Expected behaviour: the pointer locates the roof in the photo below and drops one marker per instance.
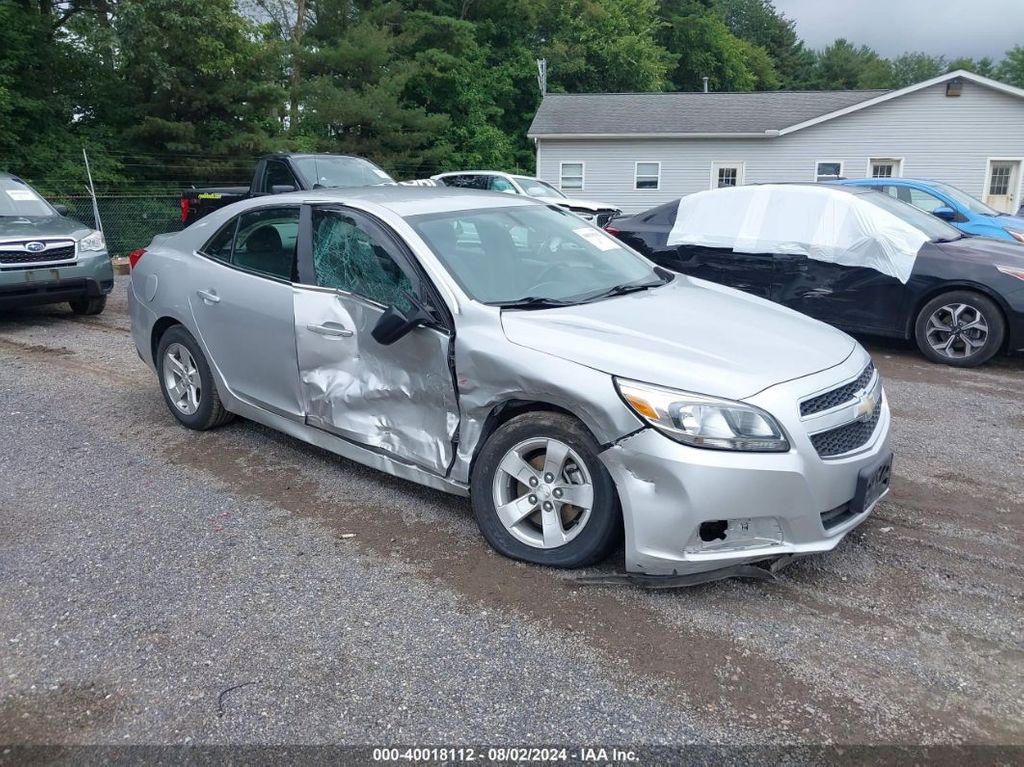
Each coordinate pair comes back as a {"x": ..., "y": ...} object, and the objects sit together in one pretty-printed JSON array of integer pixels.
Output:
[
  {"x": 695, "y": 115},
  {"x": 408, "y": 200},
  {"x": 685, "y": 113}
]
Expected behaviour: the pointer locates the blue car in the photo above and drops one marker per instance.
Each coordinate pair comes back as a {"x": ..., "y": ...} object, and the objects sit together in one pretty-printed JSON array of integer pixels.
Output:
[{"x": 969, "y": 215}]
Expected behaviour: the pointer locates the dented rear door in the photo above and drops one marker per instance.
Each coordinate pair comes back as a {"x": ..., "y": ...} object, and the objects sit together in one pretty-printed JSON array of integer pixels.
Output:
[{"x": 398, "y": 399}]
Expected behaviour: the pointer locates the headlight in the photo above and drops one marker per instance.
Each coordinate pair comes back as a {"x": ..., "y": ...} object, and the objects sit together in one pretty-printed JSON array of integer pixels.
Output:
[
  {"x": 1018, "y": 236},
  {"x": 93, "y": 241},
  {"x": 702, "y": 421},
  {"x": 1013, "y": 271}
]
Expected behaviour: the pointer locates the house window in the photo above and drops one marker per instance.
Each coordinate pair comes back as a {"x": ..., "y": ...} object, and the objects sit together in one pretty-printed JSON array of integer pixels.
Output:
[
  {"x": 725, "y": 174},
  {"x": 828, "y": 170},
  {"x": 571, "y": 175},
  {"x": 885, "y": 167},
  {"x": 647, "y": 175}
]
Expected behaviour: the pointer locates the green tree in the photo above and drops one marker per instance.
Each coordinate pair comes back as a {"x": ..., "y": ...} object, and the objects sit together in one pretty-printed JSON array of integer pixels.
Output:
[
  {"x": 1011, "y": 68},
  {"x": 204, "y": 82},
  {"x": 602, "y": 45},
  {"x": 842, "y": 66},
  {"x": 915, "y": 67},
  {"x": 705, "y": 47},
  {"x": 983, "y": 66},
  {"x": 758, "y": 22},
  {"x": 353, "y": 95}
]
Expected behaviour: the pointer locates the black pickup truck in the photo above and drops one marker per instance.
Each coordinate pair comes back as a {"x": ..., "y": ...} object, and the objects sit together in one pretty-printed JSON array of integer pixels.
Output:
[{"x": 279, "y": 173}]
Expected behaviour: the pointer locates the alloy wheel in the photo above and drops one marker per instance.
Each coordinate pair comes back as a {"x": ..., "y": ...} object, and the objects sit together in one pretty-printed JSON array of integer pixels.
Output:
[
  {"x": 543, "y": 493},
  {"x": 957, "y": 331},
  {"x": 181, "y": 379}
]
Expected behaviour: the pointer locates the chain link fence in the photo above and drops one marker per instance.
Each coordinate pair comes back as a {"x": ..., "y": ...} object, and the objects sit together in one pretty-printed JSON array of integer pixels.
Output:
[{"x": 129, "y": 221}]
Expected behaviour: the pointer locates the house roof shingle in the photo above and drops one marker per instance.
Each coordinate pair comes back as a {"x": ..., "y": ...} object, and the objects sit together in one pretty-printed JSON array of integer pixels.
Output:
[{"x": 686, "y": 113}]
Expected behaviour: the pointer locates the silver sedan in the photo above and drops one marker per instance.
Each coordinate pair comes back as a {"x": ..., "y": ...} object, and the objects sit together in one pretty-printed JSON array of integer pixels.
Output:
[{"x": 496, "y": 347}]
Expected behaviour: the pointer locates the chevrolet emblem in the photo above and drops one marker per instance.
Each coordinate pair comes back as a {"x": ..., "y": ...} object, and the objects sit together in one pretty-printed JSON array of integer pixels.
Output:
[{"x": 866, "y": 407}]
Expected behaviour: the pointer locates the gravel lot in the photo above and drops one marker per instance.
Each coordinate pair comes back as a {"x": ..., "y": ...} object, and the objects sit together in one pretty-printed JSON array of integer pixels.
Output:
[{"x": 163, "y": 586}]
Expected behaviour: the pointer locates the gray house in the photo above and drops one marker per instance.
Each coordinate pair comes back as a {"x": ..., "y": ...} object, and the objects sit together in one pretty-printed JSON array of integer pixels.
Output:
[{"x": 637, "y": 150}]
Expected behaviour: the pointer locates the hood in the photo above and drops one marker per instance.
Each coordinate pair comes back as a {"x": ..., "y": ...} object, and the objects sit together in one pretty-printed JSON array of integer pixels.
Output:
[
  {"x": 690, "y": 335},
  {"x": 590, "y": 205},
  {"x": 1010, "y": 222},
  {"x": 985, "y": 250},
  {"x": 27, "y": 227}
]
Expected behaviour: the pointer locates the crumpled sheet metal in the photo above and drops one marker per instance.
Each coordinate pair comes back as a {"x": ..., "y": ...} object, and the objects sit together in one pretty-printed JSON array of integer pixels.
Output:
[
  {"x": 746, "y": 571},
  {"x": 408, "y": 410},
  {"x": 492, "y": 372},
  {"x": 821, "y": 223}
]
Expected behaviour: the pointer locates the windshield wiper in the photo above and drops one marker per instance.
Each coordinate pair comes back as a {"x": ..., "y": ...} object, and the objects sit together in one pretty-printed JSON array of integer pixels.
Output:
[
  {"x": 534, "y": 302},
  {"x": 621, "y": 290}
]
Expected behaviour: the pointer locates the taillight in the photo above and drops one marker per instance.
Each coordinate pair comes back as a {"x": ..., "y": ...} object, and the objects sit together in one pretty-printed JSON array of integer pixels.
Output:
[
  {"x": 612, "y": 230},
  {"x": 134, "y": 256},
  {"x": 185, "y": 202}
]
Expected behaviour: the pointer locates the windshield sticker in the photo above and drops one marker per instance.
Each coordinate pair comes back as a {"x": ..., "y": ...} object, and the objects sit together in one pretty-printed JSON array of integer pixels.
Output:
[
  {"x": 23, "y": 195},
  {"x": 599, "y": 240}
]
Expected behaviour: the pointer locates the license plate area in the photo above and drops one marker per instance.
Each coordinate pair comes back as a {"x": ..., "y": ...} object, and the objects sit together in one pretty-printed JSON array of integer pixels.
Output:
[
  {"x": 42, "y": 275},
  {"x": 872, "y": 482}
]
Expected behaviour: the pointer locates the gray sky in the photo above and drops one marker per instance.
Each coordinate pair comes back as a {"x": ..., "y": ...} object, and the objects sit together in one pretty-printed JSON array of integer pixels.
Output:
[{"x": 939, "y": 27}]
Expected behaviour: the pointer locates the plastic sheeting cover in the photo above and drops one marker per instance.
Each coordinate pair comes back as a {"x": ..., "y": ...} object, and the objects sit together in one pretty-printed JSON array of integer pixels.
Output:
[{"x": 820, "y": 223}]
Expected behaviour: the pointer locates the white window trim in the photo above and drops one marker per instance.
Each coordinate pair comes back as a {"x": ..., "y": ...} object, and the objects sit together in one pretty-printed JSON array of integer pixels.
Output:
[
  {"x": 583, "y": 174},
  {"x": 636, "y": 175},
  {"x": 741, "y": 172},
  {"x": 881, "y": 158},
  {"x": 842, "y": 168}
]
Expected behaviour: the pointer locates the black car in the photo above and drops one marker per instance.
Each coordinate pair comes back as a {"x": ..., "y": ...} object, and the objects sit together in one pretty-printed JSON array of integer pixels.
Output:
[{"x": 963, "y": 302}]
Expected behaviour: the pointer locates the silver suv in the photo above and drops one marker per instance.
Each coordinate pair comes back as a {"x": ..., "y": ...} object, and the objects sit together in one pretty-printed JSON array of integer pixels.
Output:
[
  {"x": 47, "y": 258},
  {"x": 496, "y": 347}
]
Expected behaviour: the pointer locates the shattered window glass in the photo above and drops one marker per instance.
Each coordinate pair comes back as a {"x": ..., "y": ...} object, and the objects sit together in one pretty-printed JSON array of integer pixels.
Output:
[{"x": 346, "y": 257}]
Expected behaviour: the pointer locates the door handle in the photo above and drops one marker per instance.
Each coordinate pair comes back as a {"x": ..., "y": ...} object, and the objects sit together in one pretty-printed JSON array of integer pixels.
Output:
[
  {"x": 330, "y": 330},
  {"x": 209, "y": 296}
]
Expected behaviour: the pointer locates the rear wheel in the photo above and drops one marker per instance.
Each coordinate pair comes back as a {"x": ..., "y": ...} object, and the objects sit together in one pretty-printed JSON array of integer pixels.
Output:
[
  {"x": 187, "y": 383},
  {"x": 87, "y": 305},
  {"x": 541, "y": 494},
  {"x": 960, "y": 328}
]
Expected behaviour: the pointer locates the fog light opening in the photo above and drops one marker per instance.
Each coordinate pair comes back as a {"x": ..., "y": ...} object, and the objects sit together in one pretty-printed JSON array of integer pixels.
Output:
[{"x": 713, "y": 531}]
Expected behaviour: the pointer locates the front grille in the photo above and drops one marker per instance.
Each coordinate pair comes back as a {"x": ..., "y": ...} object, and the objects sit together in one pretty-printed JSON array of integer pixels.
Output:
[
  {"x": 838, "y": 515},
  {"x": 837, "y": 397},
  {"x": 17, "y": 258},
  {"x": 847, "y": 437}
]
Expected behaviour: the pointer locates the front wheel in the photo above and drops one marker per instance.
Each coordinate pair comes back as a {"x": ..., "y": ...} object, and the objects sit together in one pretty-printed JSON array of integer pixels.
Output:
[
  {"x": 960, "y": 328},
  {"x": 88, "y": 306},
  {"x": 541, "y": 494}
]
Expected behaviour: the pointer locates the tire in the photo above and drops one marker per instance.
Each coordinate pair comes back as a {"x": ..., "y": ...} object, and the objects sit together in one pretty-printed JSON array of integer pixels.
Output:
[
  {"x": 578, "y": 536},
  {"x": 974, "y": 341},
  {"x": 88, "y": 306},
  {"x": 197, "y": 406}
]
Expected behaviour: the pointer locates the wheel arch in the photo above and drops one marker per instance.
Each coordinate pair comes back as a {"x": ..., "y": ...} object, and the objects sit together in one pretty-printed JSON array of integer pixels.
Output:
[
  {"x": 160, "y": 327},
  {"x": 504, "y": 411}
]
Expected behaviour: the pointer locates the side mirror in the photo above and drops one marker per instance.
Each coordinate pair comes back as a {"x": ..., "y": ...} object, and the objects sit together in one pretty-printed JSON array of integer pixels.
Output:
[
  {"x": 281, "y": 188},
  {"x": 396, "y": 323},
  {"x": 62, "y": 210},
  {"x": 946, "y": 214}
]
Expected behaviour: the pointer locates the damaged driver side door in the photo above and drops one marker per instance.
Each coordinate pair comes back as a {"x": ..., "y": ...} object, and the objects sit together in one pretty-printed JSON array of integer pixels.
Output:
[{"x": 396, "y": 398}]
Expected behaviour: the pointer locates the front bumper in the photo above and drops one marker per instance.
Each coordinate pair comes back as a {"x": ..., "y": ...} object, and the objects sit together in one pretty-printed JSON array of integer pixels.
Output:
[
  {"x": 775, "y": 503},
  {"x": 90, "y": 276},
  {"x": 1015, "y": 321}
]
